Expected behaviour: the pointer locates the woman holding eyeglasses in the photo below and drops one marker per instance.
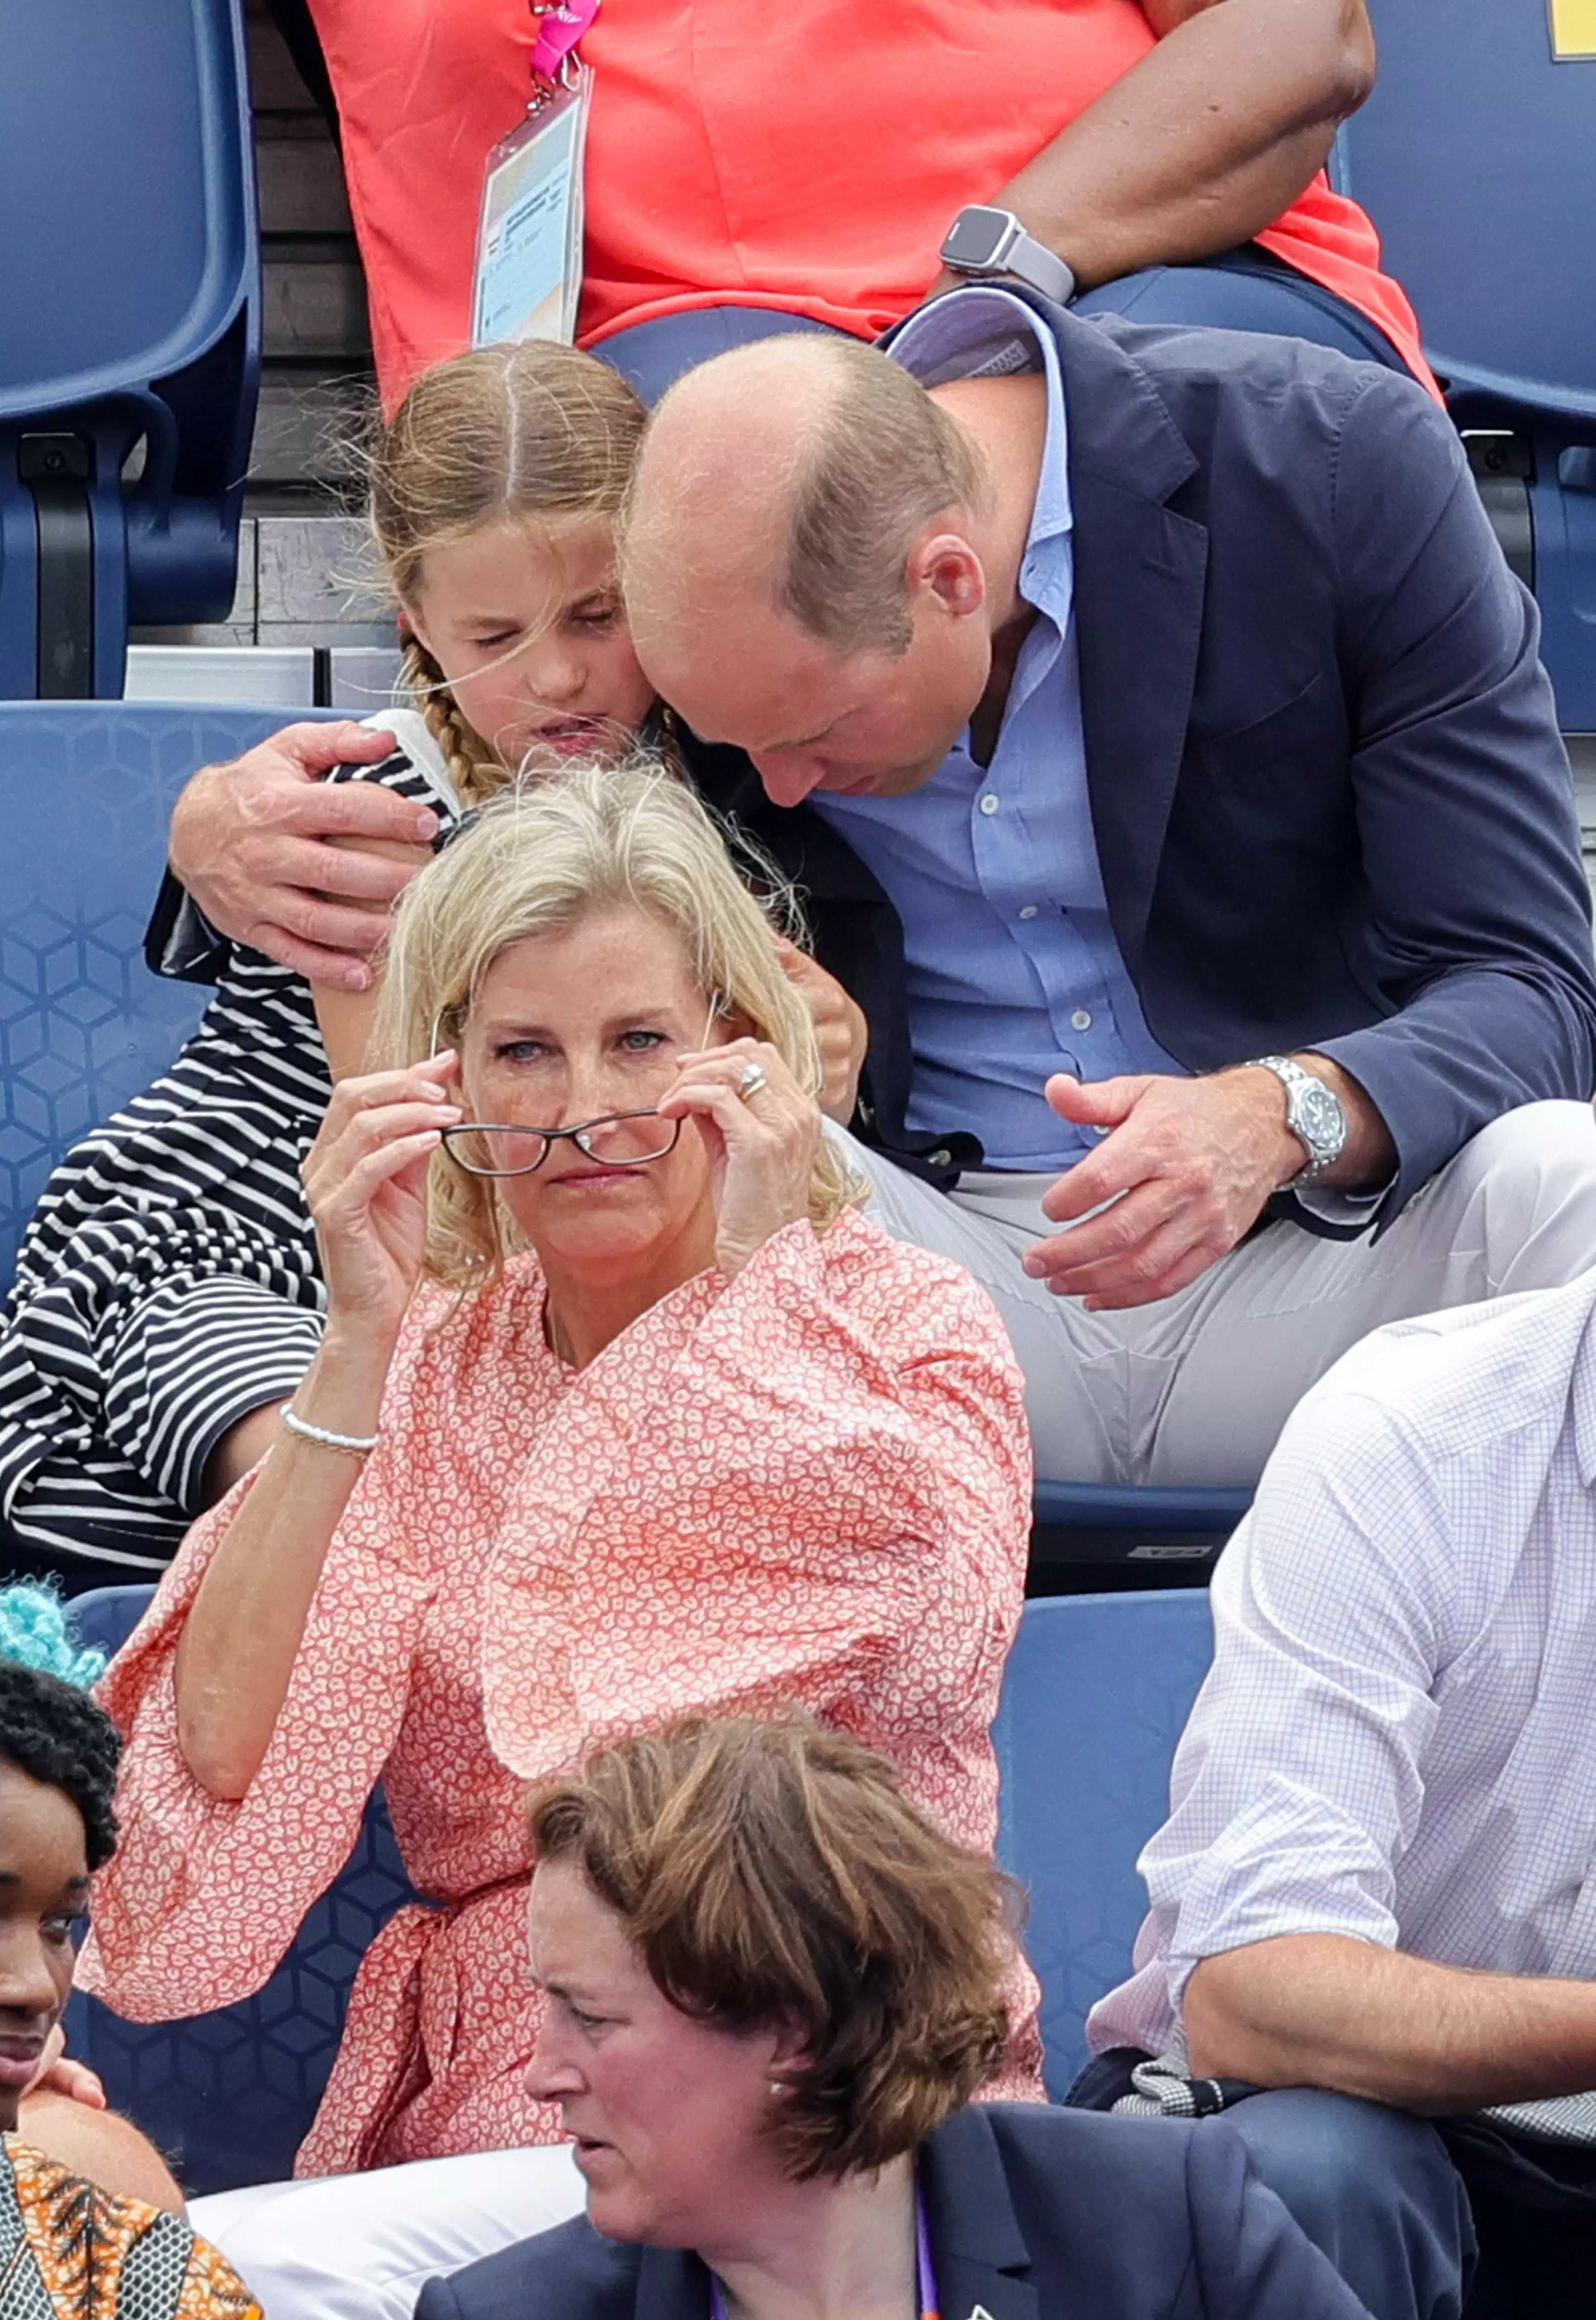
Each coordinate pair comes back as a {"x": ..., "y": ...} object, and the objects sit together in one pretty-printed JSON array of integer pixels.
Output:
[{"x": 623, "y": 1411}]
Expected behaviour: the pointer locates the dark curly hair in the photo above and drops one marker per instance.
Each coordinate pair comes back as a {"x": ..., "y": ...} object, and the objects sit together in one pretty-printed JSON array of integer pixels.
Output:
[{"x": 56, "y": 1734}]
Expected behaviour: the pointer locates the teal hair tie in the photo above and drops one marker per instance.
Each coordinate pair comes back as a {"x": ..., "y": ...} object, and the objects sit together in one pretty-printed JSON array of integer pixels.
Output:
[{"x": 36, "y": 1632}]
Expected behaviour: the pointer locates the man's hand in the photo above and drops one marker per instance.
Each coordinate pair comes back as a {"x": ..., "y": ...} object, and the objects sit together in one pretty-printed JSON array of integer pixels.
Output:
[
  {"x": 1187, "y": 1165},
  {"x": 839, "y": 1029},
  {"x": 246, "y": 841}
]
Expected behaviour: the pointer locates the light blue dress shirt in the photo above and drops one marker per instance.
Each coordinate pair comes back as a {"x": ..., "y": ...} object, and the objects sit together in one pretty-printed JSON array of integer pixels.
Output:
[{"x": 1014, "y": 971}]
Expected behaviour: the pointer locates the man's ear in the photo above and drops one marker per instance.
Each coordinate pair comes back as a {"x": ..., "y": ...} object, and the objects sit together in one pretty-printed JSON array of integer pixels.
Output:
[{"x": 943, "y": 564}]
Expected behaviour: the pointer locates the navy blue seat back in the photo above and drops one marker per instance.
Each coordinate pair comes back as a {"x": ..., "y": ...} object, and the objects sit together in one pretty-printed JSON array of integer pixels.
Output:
[
  {"x": 228, "y": 2096},
  {"x": 1476, "y": 158},
  {"x": 130, "y": 289},
  {"x": 1097, "y": 1691},
  {"x": 85, "y": 795}
]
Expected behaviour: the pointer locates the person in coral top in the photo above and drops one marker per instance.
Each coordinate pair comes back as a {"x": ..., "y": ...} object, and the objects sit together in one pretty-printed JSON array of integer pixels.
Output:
[
  {"x": 622, "y": 1412},
  {"x": 739, "y": 176}
]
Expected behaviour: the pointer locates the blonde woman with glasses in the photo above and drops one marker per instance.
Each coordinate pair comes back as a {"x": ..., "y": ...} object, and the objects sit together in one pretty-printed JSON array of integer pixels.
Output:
[{"x": 623, "y": 1411}]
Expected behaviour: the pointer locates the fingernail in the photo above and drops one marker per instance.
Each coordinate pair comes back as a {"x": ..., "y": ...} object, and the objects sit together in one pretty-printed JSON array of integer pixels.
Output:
[
  {"x": 426, "y": 823},
  {"x": 431, "y": 1090},
  {"x": 356, "y": 978}
]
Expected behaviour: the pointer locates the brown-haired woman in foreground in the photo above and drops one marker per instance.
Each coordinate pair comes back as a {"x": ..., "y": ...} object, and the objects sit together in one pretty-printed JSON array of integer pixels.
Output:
[{"x": 771, "y": 1987}]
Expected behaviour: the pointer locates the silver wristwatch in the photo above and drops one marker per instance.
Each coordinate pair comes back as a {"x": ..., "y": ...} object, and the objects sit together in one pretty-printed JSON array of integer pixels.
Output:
[
  {"x": 986, "y": 243},
  {"x": 1313, "y": 1113}
]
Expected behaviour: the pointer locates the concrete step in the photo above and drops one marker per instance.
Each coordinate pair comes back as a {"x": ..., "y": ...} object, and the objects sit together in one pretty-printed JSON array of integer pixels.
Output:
[
  {"x": 305, "y": 579},
  {"x": 309, "y": 424},
  {"x": 355, "y": 678}
]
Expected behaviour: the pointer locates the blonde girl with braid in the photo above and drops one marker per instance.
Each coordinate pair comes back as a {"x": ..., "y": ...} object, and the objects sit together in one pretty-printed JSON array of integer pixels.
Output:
[{"x": 492, "y": 498}]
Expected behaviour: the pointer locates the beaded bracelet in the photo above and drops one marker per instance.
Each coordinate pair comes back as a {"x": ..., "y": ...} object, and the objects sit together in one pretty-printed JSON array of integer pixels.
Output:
[{"x": 354, "y": 1446}]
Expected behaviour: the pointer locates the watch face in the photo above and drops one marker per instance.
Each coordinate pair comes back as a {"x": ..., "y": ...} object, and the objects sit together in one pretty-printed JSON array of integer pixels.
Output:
[
  {"x": 976, "y": 238},
  {"x": 1320, "y": 1117}
]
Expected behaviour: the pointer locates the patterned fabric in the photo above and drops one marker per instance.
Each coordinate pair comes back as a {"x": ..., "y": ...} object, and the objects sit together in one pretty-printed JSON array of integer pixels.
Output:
[
  {"x": 69, "y": 2250},
  {"x": 809, "y": 1486},
  {"x": 1395, "y": 1742},
  {"x": 168, "y": 1283}
]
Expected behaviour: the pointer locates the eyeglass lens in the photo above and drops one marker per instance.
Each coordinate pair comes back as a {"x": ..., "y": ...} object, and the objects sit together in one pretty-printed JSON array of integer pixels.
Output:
[{"x": 621, "y": 1140}]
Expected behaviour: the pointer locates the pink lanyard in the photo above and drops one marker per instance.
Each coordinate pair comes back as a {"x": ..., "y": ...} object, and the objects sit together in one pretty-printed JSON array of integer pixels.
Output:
[
  {"x": 924, "y": 2269},
  {"x": 561, "y": 24}
]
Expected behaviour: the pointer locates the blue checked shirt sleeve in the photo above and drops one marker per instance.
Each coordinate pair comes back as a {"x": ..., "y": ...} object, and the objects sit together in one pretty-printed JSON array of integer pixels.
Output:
[{"x": 1298, "y": 1784}]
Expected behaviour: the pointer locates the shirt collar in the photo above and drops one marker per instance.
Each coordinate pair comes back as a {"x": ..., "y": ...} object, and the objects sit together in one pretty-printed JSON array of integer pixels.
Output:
[{"x": 985, "y": 332}]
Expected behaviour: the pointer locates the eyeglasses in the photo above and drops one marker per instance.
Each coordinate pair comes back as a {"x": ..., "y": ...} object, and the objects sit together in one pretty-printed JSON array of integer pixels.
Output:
[{"x": 621, "y": 1140}]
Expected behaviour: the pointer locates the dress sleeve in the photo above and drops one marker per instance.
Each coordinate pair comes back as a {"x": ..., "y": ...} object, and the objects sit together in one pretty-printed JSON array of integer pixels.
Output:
[
  {"x": 820, "y": 1494},
  {"x": 203, "y": 1897}
]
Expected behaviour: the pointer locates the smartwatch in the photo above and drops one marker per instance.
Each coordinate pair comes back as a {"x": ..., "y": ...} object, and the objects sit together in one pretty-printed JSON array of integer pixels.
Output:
[
  {"x": 1314, "y": 1115},
  {"x": 985, "y": 242}
]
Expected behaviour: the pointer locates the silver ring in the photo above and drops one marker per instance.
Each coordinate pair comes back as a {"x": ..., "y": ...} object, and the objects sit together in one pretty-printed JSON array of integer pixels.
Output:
[{"x": 753, "y": 1079}]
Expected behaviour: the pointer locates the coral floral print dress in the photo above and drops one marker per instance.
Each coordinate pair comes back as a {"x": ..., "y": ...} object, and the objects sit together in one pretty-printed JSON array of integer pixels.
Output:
[{"x": 809, "y": 1486}]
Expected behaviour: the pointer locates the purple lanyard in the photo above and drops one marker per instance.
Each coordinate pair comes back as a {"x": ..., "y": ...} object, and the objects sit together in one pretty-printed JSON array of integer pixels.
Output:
[{"x": 925, "y": 2271}]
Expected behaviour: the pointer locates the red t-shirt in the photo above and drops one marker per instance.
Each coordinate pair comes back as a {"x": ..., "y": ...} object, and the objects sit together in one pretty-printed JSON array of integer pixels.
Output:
[{"x": 807, "y": 158}]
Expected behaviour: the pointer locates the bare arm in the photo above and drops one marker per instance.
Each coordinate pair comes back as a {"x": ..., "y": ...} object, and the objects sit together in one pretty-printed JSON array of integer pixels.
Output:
[
  {"x": 347, "y": 1016},
  {"x": 1324, "y": 2010},
  {"x": 366, "y": 1182},
  {"x": 1202, "y": 143},
  {"x": 247, "y": 842}
]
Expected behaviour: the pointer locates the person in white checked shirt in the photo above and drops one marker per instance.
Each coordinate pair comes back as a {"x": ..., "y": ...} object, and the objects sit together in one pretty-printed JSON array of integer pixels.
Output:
[{"x": 1377, "y": 1889}]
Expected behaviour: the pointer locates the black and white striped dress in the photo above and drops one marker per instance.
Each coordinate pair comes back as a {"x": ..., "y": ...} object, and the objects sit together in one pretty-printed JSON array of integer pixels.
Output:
[{"x": 168, "y": 1283}]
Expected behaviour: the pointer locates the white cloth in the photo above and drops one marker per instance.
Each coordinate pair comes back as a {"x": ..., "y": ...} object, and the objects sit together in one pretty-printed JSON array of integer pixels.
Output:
[
  {"x": 1396, "y": 1741},
  {"x": 362, "y": 2247},
  {"x": 1195, "y": 1388}
]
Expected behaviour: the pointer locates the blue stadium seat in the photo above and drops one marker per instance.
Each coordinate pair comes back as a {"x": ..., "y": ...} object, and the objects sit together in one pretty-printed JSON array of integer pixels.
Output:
[
  {"x": 86, "y": 794},
  {"x": 228, "y": 2096},
  {"x": 1097, "y": 1691},
  {"x": 1090, "y": 1536},
  {"x": 1476, "y": 158},
  {"x": 130, "y": 287}
]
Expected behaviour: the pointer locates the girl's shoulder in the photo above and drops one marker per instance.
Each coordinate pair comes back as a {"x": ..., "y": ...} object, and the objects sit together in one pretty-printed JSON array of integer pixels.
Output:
[{"x": 416, "y": 768}]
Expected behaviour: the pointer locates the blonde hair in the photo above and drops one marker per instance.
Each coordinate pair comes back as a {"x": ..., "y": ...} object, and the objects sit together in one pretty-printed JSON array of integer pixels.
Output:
[
  {"x": 506, "y": 434},
  {"x": 561, "y": 844}
]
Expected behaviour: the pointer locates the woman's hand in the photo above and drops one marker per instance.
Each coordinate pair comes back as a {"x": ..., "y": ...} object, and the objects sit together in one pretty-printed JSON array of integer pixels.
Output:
[
  {"x": 58, "y": 2074},
  {"x": 762, "y": 1146},
  {"x": 366, "y": 1182},
  {"x": 839, "y": 1026}
]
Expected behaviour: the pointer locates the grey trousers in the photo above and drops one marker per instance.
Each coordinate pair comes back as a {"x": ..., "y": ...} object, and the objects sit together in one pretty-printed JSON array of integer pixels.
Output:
[{"x": 1195, "y": 1388}]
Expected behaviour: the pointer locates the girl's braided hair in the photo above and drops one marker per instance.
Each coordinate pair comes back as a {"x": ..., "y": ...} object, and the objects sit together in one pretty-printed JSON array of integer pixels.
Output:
[{"x": 509, "y": 434}]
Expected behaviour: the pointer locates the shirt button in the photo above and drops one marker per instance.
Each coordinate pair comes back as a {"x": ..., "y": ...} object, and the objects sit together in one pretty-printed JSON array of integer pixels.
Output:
[
  {"x": 989, "y": 803},
  {"x": 1082, "y": 1020},
  {"x": 1028, "y": 911}
]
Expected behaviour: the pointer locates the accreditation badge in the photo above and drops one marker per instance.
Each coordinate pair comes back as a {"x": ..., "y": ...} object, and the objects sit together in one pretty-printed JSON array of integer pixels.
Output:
[{"x": 529, "y": 243}]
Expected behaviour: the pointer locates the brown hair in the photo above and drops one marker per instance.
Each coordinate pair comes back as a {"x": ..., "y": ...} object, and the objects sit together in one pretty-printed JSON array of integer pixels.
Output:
[
  {"x": 884, "y": 460},
  {"x": 503, "y": 434},
  {"x": 773, "y": 1873}
]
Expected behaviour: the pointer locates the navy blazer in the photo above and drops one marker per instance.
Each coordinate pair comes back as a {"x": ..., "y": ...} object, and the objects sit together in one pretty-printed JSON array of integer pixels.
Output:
[
  {"x": 1035, "y": 2213},
  {"x": 1331, "y": 805}
]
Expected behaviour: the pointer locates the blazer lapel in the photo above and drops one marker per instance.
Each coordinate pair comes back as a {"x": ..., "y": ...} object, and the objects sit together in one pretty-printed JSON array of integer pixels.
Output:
[
  {"x": 1139, "y": 599},
  {"x": 977, "y": 2245}
]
